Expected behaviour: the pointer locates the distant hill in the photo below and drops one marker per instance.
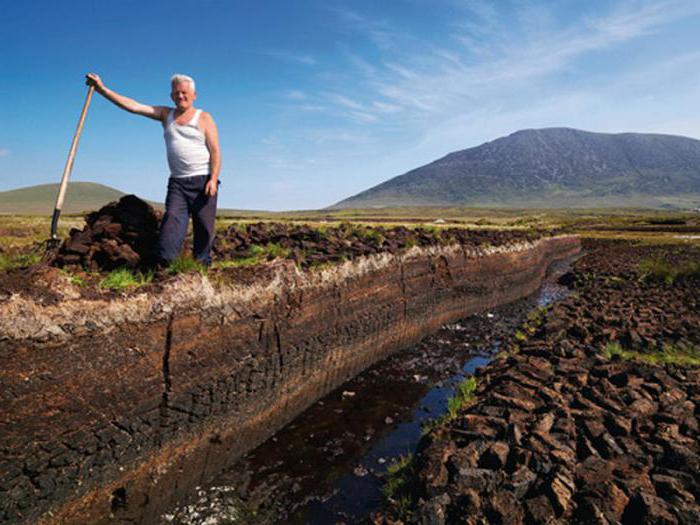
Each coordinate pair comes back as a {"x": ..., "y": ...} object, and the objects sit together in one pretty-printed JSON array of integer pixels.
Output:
[
  {"x": 40, "y": 200},
  {"x": 553, "y": 167}
]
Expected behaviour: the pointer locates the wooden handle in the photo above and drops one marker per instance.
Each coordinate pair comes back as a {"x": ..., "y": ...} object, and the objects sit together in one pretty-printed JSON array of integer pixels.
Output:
[{"x": 69, "y": 164}]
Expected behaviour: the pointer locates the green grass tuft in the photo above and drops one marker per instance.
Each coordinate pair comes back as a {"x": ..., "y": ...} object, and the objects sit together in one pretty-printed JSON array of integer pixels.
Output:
[
  {"x": 398, "y": 477},
  {"x": 660, "y": 270},
  {"x": 183, "y": 264},
  {"x": 679, "y": 354},
  {"x": 77, "y": 280},
  {"x": 20, "y": 260},
  {"x": 235, "y": 263},
  {"x": 463, "y": 397},
  {"x": 123, "y": 278},
  {"x": 256, "y": 255}
]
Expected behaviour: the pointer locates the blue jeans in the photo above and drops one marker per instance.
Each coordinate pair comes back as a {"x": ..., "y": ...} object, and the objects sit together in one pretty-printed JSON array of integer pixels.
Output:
[{"x": 186, "y": 197}]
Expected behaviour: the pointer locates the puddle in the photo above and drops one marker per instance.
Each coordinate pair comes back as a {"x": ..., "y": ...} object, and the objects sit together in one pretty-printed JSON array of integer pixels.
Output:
[{"x": 327, "y": 466}]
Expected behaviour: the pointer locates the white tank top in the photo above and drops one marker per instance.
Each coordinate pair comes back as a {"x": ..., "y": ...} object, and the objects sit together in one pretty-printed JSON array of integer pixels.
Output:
[{"x": 186, "y": 147}]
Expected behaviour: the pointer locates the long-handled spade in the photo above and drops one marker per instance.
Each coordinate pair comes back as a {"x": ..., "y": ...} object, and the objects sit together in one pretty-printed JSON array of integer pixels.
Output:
[{"x": 54, "y": 241}]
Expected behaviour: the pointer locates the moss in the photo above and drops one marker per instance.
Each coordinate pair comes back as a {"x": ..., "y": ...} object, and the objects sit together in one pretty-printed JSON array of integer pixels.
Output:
[{"x": 520, "y": 336}]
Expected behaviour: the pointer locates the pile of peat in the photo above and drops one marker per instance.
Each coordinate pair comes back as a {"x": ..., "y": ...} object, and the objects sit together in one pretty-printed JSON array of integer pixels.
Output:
[
  {"x": 121, "y": 234},
  {"x": 310, "y": 246},
  {"x": 563, "y": 431}
]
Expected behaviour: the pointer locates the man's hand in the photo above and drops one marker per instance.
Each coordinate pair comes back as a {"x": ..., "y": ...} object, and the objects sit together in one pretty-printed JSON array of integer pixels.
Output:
[
  {"x": 211, "y": 188},
  {"x": 159, "y": 113},
  {"x": 93, "y": 79}
]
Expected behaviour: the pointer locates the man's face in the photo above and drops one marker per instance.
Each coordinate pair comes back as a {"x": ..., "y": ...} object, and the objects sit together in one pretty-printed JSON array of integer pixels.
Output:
[{"x": 183, "y": 95}]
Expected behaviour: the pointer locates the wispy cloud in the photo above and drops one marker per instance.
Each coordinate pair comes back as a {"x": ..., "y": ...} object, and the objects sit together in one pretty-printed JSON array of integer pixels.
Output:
[
  {"x": 344, "y": 101},
  {"x": 442, "y": 80},
  {"x": 296, "y": 58},
  {"x": 384, "y": 107},
  {"x": 311, "y": 107},
  {"x": 296, "y": 95},
  {"x": 4, "y": 152},
  {"x": 380, "y": 31}
]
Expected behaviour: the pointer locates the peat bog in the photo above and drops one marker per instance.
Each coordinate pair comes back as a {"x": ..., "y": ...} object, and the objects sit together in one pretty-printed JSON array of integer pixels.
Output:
[
  {"x": 583, "y": 412},
  {"x": 592, "y": 418}
]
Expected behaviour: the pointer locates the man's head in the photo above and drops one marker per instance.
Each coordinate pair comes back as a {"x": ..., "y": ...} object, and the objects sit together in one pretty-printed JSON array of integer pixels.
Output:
[{"x": 182, "y": 91}]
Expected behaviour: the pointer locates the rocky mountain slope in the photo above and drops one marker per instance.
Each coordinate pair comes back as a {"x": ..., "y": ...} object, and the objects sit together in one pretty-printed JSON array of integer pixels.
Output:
[{"x": 554, "y": 167}]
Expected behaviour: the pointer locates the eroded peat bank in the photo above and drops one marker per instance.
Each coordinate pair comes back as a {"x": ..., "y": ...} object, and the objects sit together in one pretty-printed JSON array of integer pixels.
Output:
[
  {"x": 122, "y": 394},
  {"x": 332, "y": 464}
]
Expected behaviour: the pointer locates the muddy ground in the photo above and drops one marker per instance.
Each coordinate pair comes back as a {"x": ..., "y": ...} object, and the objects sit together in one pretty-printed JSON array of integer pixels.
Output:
[{"x": 592, "y": 417}]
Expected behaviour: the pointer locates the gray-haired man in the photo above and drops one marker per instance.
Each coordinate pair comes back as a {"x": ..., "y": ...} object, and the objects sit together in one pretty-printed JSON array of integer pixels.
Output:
[{"x": 192, "y": 144}]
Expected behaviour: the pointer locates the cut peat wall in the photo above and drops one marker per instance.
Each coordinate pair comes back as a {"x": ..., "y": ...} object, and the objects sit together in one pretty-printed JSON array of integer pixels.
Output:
[{"x": 114, "y": 410}]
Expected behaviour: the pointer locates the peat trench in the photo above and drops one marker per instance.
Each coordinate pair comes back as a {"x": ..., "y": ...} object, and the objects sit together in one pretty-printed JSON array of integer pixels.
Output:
[{"x": 329, "y": 464}]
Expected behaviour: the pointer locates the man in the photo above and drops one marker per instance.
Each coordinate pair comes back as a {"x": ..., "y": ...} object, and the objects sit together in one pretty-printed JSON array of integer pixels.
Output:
[{"x": 194, "y": 158}]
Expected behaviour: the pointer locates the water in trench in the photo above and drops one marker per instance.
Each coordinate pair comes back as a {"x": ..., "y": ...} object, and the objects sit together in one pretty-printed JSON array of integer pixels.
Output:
[{"x": 328, "y": 465}]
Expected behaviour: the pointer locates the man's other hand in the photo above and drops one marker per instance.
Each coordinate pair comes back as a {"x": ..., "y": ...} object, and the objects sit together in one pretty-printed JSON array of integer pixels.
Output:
[{"x": 211, "y": 188}]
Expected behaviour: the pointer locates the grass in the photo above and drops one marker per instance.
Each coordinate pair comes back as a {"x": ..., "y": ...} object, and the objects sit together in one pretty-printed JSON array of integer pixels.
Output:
[
  {"x": 660, "y": 270},
  {"x": 367, "y": 233},
  {"x": 680, "y": 354},
  {"x": 256, "y": 255},
  {"x": 124, "y": 278},
  {"x": 182, "y": 264},
  {"x": 397, "y": 484},
  {"x": 463, "y": 397},
  {"x": 527, "y": 329},
  {"x": 18, "y": 260},
  {"x": 76, "y": 280}
]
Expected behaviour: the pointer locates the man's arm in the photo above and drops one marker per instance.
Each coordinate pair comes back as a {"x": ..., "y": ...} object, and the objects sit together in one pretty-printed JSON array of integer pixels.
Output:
[
  {"x": 155, "y": 112},
  {"x": 211, "y": 136}
]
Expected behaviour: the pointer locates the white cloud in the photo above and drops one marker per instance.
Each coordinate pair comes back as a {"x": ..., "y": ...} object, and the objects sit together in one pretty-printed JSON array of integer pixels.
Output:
[
  {"x": 4, "y": 152},
  {"x": 311, "y": 107},
  {"x": 379, "y": 31},
  {"x": 363, "y": 116},
  {"x": 296, "y": 95},
  {"x": 297, "y": 58},
  {"x": 344, "y": 101},
  {"x": 445, "y": 80},
  {"x": 329, "y": 135},
  {"x": 384, "y": 107}
]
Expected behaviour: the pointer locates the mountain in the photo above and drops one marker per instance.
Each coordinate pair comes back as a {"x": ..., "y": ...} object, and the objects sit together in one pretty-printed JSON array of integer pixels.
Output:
[
  {"x": 552, "y": 167},
  {"x": 41, "y": 199}
]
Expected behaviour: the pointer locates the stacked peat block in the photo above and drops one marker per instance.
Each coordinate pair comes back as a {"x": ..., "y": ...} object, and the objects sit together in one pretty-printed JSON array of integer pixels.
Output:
[
  {"x": 308, "y": 246},
  {"x": 559, "y": 433},
  {"x": 574, "y": 439},
  {"x": 121, "y": 234}
]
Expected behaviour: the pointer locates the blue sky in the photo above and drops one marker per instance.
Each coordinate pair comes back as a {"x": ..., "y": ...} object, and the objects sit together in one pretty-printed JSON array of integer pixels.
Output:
[{"x": 317, "y": 100}]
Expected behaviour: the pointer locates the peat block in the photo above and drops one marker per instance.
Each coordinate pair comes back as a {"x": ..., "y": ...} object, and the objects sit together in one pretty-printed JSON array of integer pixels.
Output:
[
  {"x": 122, "y": 233},
  {"x": 583, "y": 438}
]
